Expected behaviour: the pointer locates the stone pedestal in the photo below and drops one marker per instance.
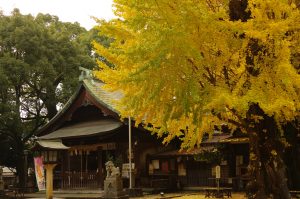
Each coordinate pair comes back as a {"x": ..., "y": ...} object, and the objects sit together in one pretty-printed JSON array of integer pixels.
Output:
[{"x": 113, "y": 188}]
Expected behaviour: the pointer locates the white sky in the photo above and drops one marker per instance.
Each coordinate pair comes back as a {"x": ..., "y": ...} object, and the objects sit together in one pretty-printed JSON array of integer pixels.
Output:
[{"x": 67, "y": 10}]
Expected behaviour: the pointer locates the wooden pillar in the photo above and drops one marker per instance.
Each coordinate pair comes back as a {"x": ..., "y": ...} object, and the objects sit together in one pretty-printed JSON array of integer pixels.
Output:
[
  {"x": 49, "y": 180},
  {"x": 86, "y": 162},
  {"x": 100, "y": 167},
  {"x": 69, "y": 170},
  {"x": 62, "y": 168},
  {"x": 81, "y": 168},
  {"x": 137, "y": 163}
]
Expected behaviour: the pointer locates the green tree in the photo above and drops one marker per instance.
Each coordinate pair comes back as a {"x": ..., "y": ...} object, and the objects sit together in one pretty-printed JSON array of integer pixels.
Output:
[
  {"x": 188, "y": 66},
  {"x": 39, "y": 60}
]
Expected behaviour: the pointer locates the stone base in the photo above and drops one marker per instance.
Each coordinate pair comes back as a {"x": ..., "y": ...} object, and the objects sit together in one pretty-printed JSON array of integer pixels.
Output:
[
  {"x": 111, "y": 195},
  {"x": 117, "y": 197},
  {"x": 113, "y": 189},
  {"x": 135, "y": 192}
]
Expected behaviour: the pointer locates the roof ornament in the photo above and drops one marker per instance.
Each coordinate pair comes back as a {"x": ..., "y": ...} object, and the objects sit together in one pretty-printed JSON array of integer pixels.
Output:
[{"x": 85, "y": 73}]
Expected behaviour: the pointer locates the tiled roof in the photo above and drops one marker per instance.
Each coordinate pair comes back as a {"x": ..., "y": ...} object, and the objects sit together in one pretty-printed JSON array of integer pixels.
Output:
[
  {"x": 84, "y": 129},
  {"x": 216, "y": 138},
  {"x": 51, "y": 144},
  {"x": 103, "y": 96}
]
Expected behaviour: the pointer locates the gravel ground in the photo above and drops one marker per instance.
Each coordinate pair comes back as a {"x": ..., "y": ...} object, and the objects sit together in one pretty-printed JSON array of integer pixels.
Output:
[
  {"x": 187, "y": 195},
  {"x": 177, "y": 195}
]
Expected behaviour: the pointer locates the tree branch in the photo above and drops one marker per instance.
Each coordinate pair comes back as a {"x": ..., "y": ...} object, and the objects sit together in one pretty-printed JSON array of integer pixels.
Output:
[{"x": 58, "y": 79}]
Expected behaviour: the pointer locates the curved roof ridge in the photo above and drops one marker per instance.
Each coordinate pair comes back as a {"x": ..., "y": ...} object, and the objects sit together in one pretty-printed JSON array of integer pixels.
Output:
[
  {"x": 104, "y": 97},
  {"x": 95, "y": 89}
]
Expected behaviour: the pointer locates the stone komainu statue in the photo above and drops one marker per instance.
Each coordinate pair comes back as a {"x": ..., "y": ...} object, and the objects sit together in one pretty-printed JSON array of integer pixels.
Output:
[
  {"x": 113, "y": 186},
  {"x": 111, "y": 170}
]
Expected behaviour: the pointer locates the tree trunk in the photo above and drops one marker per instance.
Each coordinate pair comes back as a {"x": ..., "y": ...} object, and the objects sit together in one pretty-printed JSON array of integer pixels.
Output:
[
  {"x": 291, "y": 155},
  {"x": 51, "y": 109},
  {"x": 267, "y": 167},
  {"x": 20, "y": 173},
  {"x": 21, "y": 169},
  {"x": 256, "y": 187},
  {"x": 50, "y": 101}
]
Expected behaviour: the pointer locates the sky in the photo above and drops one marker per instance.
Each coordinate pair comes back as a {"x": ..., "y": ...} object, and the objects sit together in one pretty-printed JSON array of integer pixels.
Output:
[{"x": 67, "y": 10}]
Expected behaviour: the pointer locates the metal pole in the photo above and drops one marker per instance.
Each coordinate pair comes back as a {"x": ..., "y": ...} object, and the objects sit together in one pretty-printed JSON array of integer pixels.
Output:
[{"x": 129, "y": 151}]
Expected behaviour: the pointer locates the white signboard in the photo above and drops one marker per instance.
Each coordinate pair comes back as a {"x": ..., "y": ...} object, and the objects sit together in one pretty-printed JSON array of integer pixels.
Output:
[
  {"x": 218, "y": 171},
  {"x": 155, "y": 164},
  {"x": 181, "y": 169},
  {"x": 126, "y": 168}
]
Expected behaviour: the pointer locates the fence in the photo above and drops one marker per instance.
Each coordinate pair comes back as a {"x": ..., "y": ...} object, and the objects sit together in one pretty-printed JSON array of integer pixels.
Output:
[{"x": 72, "y": 180}]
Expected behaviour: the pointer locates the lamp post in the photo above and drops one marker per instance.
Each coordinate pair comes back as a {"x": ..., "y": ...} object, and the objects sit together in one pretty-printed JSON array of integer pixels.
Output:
[
  {"x": 50, "y": 161},
  {"x": 48, "y": 149}
]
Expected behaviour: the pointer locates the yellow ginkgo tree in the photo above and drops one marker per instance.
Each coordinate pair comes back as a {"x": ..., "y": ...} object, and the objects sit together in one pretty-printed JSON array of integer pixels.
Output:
[{"x": 187, "y": 66}]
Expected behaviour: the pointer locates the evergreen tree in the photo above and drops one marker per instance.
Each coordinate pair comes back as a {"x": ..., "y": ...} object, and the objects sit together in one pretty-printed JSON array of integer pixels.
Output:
[{"x": 39, "y": 60}]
